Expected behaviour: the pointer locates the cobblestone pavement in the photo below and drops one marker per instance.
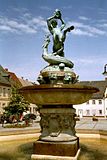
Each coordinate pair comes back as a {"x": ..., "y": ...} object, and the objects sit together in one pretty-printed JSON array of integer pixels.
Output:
[
  {"x": 88, "y": 123},
  {"x": 34, "y": 126},
  {"x": 84, "y": 123}
]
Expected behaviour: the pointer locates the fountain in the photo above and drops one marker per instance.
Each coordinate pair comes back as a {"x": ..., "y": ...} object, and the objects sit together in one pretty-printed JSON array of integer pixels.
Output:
[{"x": 55, "y": 96}]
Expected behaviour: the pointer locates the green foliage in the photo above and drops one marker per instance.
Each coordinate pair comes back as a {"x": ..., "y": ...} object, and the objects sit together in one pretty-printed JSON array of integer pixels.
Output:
[
  {"x": 16, "y": 125},
  {"x": 17, "y": 104}
]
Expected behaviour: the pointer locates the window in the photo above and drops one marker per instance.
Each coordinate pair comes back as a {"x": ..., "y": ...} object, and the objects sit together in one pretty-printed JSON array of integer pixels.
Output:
[
  {"x": 9, "y": 92},
  {"x": 34, "y": 110},
  {"x": 30, "y": 110},
  {"x": 94, "y": 112},
  {"x": 0, "y": 91},
  {"x": 87, "y": 102},
  {"x": 100, "y": 101},
  {"x": 100, "y": 111},
  {"x": 80, "y": 113},
  {"x": 4, "y": 92},
  {"x": 87, "y": 112},
  {"x": 4, "y": 104},
  {"x": 93, "y": 101}
]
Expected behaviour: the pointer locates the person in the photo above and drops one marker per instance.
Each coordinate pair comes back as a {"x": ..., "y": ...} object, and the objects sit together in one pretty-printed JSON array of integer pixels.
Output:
[{"x": 58, "y": 33}]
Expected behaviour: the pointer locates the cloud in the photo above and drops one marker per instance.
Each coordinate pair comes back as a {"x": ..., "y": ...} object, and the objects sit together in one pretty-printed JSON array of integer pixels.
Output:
[
  {"x": 67, "y": 7},
  {"x": 86, "y": 30},
  {"x": 38, "y": 21},
  {"x": 96, "y": 31},
  {"x": 85, "y": 61},
  {"x": 84, "y": 18},
  {"x": 103, "y": 12},
  {"x": 90, "y": 60},
  {"x": 24, "y": 24},
  {"x": 103, "y": 25},
  {"x": 90, "y": 67},
  {"x": 45, "y": 8},
  {"x": 5, "y": 28},
  {"x": 7, "y": 25},
  {"x": 21, "y": 27},
  {"x": 81, "y": 32},
  {"x": 18, "y": 10}
]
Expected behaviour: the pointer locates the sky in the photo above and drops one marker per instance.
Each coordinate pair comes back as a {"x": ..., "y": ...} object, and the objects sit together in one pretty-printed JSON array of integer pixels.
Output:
[{"x": 23, "y": 28}]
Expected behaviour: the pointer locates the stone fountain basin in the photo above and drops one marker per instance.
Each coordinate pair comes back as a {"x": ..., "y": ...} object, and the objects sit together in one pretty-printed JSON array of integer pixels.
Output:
[{"x": 57, "y": 94}]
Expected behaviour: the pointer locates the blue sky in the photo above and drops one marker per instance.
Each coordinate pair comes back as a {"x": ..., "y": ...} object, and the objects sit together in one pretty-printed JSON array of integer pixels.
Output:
[{"x": 23, "y": 28}]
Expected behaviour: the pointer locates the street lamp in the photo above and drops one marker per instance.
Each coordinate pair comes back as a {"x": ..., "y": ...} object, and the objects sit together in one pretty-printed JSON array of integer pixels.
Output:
[{"x": 105, "y": 70}]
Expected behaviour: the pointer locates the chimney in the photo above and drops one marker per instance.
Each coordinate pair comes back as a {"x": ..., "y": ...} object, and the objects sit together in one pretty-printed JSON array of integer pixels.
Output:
[{"x": 6, "y": 69}]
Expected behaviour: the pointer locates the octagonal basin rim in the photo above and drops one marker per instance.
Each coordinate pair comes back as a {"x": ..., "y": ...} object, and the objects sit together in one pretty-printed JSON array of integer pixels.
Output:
[
  {"x": 58, "y": 94},
  {"x": 68, "y": 87}
]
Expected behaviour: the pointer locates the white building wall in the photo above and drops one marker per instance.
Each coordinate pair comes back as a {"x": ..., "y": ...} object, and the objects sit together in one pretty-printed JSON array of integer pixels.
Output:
[
  {"x": 33, "y": 108},
  {"x": 90, "y": 109},
  {"x": 106, "y": 103}
]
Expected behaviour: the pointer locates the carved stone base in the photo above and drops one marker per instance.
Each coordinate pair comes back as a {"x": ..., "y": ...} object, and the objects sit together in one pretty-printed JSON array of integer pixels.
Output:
[
  {"x": 67, "y": 149},
  {"x": 57, "y": 123}
]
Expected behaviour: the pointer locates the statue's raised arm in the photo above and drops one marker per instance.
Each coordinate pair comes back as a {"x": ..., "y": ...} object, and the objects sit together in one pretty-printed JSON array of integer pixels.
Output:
[{"x": 51, "y": 20}]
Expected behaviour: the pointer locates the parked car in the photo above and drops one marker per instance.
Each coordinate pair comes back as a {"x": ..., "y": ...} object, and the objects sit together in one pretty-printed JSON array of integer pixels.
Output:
[{"x": 29, "y": 116}]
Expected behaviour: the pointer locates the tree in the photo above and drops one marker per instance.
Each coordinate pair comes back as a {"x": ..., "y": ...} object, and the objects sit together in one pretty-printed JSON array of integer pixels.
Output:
[{"x": 16, "y": 106}]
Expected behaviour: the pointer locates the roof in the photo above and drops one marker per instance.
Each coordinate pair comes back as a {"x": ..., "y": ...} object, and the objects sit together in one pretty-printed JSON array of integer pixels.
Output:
[
  {"x": 101, "y": 85},
  {"x": 18, "y": 82},
  {"x": 14, "y": 79},
  {"x": 10, "y": 78},
  {"x": 25, "y": 82}
]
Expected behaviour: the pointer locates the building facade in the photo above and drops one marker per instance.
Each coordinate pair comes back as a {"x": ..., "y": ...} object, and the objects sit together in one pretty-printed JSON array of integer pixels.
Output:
[
  {"x": 5, "y": 94},
  {"x": 97, "y": 105},
  {"x": 5, "y": 89},
  {"x": 7, "y": 81}
]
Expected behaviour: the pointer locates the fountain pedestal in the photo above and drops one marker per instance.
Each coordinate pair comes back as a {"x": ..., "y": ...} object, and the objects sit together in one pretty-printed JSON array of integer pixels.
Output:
[{"x": 58, "y": 137}]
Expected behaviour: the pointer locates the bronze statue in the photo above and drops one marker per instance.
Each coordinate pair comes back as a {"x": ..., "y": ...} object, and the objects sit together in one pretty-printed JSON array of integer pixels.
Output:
[
  {"x": 59, "y": 36},
  {"x": 58, "y": 33}
]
